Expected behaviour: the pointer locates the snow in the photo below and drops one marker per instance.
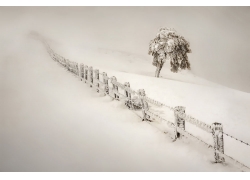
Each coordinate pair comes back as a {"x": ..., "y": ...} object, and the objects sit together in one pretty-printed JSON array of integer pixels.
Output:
[
  {"x": 207, "y": 101},
  {"x": 52, "y": 121}
]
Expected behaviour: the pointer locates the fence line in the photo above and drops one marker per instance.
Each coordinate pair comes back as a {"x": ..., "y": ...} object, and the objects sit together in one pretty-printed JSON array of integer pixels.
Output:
[
  {"x": 139, "y": 102},
  {"x": 236, "y": 139}
]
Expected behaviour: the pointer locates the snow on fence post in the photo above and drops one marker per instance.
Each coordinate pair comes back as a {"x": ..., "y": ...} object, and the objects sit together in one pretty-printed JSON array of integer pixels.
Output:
[
  {"x": 144, "y": 104},
  {"x": 54, "y": 56},
  {"x": 115, "y": 87},
  {"x": 97, "y": 78},
  {"x": 86, "y": 73},
  {"x": 127, "y": 94},
  {"x": 77, "y": 69},
  {"x": 179, "y": 122},
  {"x": 57, "y": 58},
  {"x": 217, "y": 132},
  {"x": 90, "y": 76},
  {"x": 74, "y": 67},
  {"x": 67, "y": 62},
  {"x": 70, "y": 69},
  {"x": 128, "y": 102},
  {"x": 64, "y": 61},
  {"x": 105, "y": 81},
  {"x": 82, "y": 71}
]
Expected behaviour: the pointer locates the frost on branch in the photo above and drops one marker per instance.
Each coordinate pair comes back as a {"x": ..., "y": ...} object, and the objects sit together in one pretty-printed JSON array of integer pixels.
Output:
[{"x": 168, "y": 45}]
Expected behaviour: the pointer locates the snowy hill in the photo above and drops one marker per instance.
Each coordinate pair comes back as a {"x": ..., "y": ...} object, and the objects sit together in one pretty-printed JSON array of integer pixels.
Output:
[
  {"x": 51, "y": 121},
  {"x": 204, "y": 100}
]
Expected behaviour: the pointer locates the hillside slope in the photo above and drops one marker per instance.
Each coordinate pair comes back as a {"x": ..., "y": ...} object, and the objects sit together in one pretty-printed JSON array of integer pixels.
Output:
[{"x": 51, "y": 121}]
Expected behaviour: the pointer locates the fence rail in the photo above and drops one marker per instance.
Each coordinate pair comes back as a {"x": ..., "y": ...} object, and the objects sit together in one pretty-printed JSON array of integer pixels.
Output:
[{"x": 138, "y": 101}]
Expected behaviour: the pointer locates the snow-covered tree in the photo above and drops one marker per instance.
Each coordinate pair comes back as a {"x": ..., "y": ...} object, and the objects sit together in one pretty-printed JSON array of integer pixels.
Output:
[{"x": 168, "y": 45}]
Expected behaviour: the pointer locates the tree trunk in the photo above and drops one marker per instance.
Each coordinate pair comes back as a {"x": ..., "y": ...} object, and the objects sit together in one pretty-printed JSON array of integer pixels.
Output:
[{"x": 158, "y": 69}]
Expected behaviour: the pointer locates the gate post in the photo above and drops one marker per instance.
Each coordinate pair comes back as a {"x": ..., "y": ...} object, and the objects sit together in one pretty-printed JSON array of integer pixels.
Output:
[
  {"x": 217, "y": 132},
  {"x": 82, "y": 71},
  {"x": 86, "y": 73},
  {"x": 179, "y": 122},
  {"x": 144, "y": 104},
  {"x": 105, "y": 80},
  {"x": 115, "y": 87},
  {"x": 91, "y": 75},
  {"x": 97, "y": 78}
]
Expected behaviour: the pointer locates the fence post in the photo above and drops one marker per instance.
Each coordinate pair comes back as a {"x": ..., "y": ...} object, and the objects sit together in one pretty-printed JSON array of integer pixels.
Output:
[
  {"x": 86, "y": 73},
  {"x": 77, "y": 69},
  {"x": 179, "y": 122},
  {"x": 141, "y": 93},
  {"x": 105, "y": 80},
  {"x": 54, "y": 56},
  {"x": 64, "y": 61},
  {"x": 217, "y": 132},
  {"x": 115, "y": 87},
  {"x": 68, "y": 65},
  {"x": 82, "y": 71},
  {"x": 91, "y": 75},
  {"x": 128, "y": 102},
  {"x": 74, "y": 67},
  {"x": 97, "y": 78},
  {"x": 127, "y": 94}
]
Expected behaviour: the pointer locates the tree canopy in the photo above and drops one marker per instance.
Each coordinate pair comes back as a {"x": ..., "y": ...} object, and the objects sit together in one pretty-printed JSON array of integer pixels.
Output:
[{"x": 172, "y": 46}]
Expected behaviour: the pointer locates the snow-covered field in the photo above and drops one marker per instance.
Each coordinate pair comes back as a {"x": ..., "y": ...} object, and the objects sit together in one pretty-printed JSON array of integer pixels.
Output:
[
  {"x": 207, "y": 101},
  {"x": 52, "y": 121}
]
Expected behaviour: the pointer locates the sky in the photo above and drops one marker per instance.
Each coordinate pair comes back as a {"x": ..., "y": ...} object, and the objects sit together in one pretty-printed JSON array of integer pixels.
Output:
[{"x": 218, "y": 36}]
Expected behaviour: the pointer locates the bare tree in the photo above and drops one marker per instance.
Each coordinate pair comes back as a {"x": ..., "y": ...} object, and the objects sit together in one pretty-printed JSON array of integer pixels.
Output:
[{"x": 168, "y": 45}]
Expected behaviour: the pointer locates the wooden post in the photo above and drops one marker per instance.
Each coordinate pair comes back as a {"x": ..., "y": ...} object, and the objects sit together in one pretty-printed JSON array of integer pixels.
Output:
[
  {"x": 105, "y": 80},
  {"x": 141, "y": 93},
  {"x": 86, "y": 73},
  {"x": 179, "y": 122},
  {"x": 82, "y": 71},
  {"x": 127, "y": 94},
  {"x": 97, "y": 78},
  {"x": 74, "y": 67},
  {"x": 77, "y": 69},
  {"x": 128, "y": 102},
  {"x": 54, "y": 56},
  {"x": 217, "y": 132},
  {"x": 64, "y": 62},
  {"x": 115, "y": 87},
  {"x": 68, "y": 64},
  {"x": 91, "y": 76}
]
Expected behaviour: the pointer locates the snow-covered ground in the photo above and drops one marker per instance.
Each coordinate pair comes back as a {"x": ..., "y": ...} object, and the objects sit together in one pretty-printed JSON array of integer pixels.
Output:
[
  {"x": 51, "y": 121},
  {"x": 204, "y": 100}
]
